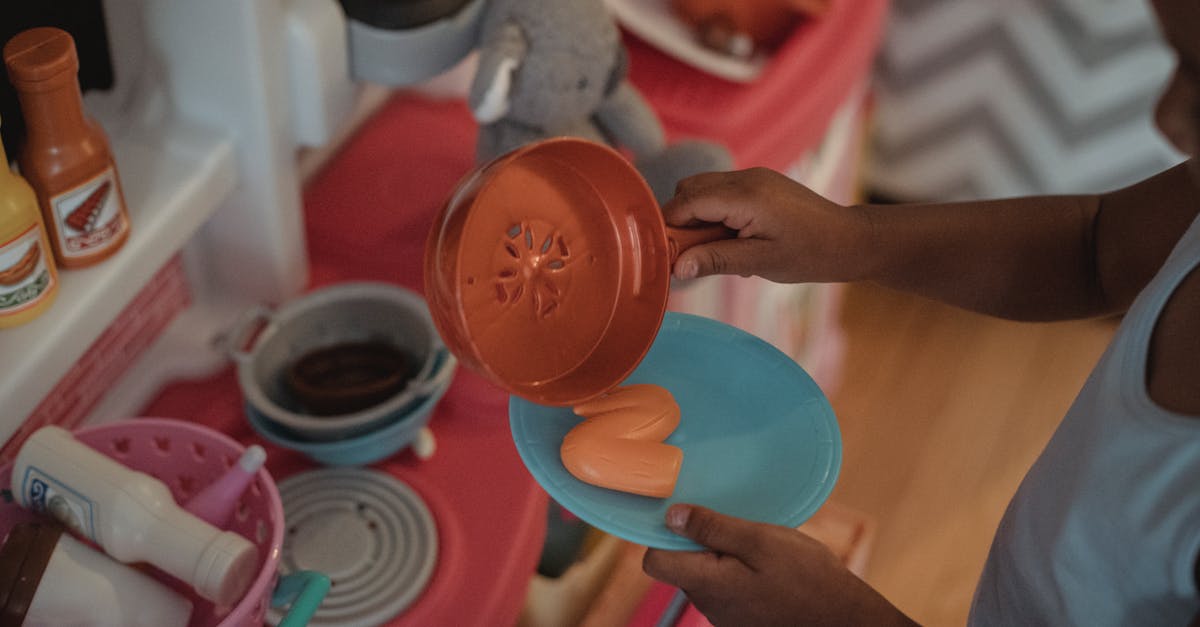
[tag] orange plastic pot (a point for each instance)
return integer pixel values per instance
(548, 270)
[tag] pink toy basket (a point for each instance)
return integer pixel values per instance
(187, 457)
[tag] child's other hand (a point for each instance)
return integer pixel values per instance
(786, 232)
(759, 574)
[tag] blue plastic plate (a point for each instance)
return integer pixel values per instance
(759, 438)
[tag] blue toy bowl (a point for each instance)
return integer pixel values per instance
(759, 438)
(369, 447)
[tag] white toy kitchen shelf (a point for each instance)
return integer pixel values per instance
(211, 104)
(172, 184)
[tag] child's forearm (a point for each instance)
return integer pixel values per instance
(1025, 259)
(1037, 258)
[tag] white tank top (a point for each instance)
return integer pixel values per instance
(1105, 528)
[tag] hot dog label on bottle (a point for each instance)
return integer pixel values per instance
(24, 276)
(89, 217)
(46, 495)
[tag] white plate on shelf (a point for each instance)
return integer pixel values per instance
(655, 22)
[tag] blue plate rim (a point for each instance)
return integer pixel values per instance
(661, 537)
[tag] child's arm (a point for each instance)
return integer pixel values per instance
(1038, 258)
(1137, 228)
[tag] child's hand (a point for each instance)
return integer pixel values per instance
(759, 574)
(786, 232)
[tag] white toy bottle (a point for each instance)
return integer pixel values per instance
(130, 514)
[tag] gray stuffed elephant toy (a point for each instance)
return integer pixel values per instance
(557, 67)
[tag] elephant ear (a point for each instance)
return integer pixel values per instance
(619, 71)
(501, 54)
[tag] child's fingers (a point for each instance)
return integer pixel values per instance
(727, 535)
(742, 256)
(709, 197)
(697, 571)
(698, 182)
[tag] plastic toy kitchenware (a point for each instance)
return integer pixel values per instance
(215, 504)
(371, 533)
(347, 377)
(358, 313)
(759, 439)
(131, 515)
(431, 36)
(187, 457)
(558, 239)
(359, 450)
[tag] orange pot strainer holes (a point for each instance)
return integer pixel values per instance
(548, 270)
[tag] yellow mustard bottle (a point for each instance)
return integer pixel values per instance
(28, 276)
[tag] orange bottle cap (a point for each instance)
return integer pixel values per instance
(40, 54)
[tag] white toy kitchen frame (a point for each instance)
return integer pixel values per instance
(212, 103)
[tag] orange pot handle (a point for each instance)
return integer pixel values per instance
(680, 239)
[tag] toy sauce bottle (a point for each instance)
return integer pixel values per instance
(66, 156)
(28, 277)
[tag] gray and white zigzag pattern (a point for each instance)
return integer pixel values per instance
(987, 98)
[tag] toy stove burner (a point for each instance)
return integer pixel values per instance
(370, 533)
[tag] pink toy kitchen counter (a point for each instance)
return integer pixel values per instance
(367, 215)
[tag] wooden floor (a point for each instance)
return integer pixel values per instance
(942, 411)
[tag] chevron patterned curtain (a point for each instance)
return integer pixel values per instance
(989, 98)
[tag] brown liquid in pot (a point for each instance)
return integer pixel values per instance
(349, 377)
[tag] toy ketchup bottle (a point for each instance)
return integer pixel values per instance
(28, 277)
(66, 156)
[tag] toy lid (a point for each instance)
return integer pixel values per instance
(40, 54)
(226, 569)
(371, 534)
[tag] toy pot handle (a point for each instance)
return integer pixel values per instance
(304, 590)
(680, 239)
(240, 341)
(439, 378)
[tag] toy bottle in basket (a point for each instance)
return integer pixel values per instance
(28, 277)
(216, 503)
(66, 156)
(129, 514)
